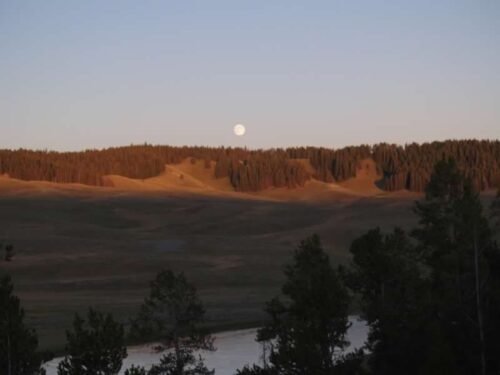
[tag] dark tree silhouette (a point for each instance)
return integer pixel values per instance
(307, 329)
(255, 370)
(136, 370)
(173, 313)
(18, 344)
(94, 347)
(433, 306)
(384, 272)
(457, 246)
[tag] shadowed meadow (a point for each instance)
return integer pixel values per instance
(72, 252)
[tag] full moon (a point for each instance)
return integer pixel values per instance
(239, 130)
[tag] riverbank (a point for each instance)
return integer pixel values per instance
(235, 349)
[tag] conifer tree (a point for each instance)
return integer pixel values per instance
(385, 274)
(443, 290)
(456, 245)
(18, 344)
(307, 329)
(174, 313)
(94, 347)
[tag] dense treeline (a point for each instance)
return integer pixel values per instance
(400, 167)
(410, 166)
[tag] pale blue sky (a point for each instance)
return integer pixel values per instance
(93, 73)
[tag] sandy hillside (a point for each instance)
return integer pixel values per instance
(365, 182)
(188, 175)
(196, 177)
(13, 187)
(363, 185)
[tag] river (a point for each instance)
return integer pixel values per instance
(234, 350)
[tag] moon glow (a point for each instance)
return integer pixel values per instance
(239, 130)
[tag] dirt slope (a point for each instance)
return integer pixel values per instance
(196, 177)
(186, 176)
(365, 182)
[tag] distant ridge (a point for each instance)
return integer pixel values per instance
(394, 167)
(195, 178)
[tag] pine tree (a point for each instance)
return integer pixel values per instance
(174, 314)
(385, 274)
(456, 245)
(307, 329)
(443, 290)
(18, 344)
(94, 347)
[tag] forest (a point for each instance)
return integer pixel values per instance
(400, 167)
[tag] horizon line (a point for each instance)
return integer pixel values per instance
(371, 145)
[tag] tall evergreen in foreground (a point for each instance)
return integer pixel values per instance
(456, 244)
(433, 306)
(94, 347)
(173, 313)
(384, 272)
(307, 327)
(18, 344)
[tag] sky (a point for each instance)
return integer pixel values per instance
(94, 74)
